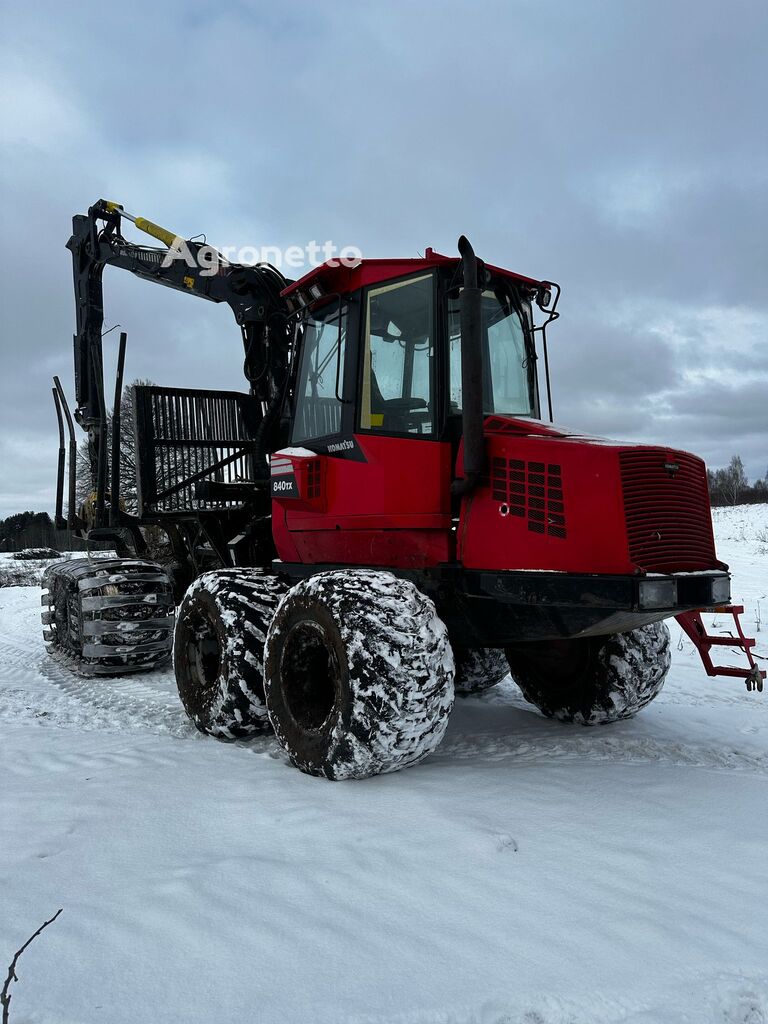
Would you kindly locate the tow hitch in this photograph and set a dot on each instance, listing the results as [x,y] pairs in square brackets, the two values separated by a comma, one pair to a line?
[694,627]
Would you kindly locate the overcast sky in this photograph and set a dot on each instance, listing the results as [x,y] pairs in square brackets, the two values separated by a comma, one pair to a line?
[618,148]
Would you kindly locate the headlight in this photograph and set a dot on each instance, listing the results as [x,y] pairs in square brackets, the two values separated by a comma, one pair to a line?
[721,590]
[658,593]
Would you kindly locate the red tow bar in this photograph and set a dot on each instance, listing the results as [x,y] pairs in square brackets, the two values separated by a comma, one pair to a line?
[694,627]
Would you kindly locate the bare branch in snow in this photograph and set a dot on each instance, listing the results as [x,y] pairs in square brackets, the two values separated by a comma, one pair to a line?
[5,995]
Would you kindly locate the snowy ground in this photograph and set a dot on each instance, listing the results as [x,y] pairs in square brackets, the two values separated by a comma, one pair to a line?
[530,872]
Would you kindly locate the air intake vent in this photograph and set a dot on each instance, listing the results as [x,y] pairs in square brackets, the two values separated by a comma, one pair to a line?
[314,488]
[532,491]
[666,504]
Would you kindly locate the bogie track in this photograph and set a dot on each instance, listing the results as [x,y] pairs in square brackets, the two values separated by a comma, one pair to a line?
[108,616]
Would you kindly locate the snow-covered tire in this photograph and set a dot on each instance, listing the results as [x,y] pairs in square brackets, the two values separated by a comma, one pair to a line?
[218,652]
[479,668]
[359,674]
[597,680]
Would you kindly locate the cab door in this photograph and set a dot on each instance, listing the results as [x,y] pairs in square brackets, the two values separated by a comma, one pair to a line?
[366,415]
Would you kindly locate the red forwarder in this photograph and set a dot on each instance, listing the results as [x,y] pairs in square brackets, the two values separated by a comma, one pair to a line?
[383,519]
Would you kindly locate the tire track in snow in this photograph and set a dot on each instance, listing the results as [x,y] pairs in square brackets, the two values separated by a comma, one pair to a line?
[66,700]
[139,752]
[493,747]
[41,760]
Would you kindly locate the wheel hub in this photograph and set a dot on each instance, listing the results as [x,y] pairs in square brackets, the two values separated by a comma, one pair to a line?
[310,674]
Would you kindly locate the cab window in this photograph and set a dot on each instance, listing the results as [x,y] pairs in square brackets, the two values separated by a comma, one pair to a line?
[319,382]
[398,358]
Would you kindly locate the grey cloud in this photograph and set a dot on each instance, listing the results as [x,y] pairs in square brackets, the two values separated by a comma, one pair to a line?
[616,148]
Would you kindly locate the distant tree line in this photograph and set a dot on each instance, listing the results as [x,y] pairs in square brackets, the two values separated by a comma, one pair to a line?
[730,486]
[35,530]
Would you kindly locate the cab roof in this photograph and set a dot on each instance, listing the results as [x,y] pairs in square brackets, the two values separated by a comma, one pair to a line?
[331,277]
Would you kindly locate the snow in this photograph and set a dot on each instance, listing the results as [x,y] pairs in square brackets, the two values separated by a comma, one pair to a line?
[529,872]
[295,453]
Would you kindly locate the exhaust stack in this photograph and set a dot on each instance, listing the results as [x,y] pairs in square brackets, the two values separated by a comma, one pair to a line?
[471,372]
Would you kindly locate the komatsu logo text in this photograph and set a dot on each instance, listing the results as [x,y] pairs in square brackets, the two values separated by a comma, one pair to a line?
[341,446]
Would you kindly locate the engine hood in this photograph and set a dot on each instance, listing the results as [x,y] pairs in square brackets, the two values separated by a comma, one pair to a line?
[560,500]
[525,426]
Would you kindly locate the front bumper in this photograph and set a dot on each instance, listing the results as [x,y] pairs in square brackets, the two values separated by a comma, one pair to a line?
[671,593]
[502,608]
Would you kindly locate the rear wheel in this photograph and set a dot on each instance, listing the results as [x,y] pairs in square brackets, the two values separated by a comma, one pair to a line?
[595,680]
[359,674]
[479,668]
[108,616]
[219,650]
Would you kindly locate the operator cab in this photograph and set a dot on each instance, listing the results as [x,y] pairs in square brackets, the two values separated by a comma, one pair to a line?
[379,429]
[379,349]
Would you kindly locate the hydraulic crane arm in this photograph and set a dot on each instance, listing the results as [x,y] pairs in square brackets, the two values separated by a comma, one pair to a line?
[252,292]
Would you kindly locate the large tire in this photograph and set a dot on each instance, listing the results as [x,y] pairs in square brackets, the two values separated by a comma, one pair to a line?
[359,674]
[597,680]
[479,668]
[219,650]
[108,616]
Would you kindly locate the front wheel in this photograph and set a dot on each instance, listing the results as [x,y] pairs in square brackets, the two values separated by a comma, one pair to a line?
[219,650]
[358,674]
[595,680]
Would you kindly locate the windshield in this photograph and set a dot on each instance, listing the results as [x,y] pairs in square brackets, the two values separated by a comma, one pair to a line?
[508,381]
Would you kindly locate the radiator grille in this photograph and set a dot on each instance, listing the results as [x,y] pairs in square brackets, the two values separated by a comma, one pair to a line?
[532,491]
[666,505]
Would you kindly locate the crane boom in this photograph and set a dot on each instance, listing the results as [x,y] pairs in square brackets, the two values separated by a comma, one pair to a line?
[193,267]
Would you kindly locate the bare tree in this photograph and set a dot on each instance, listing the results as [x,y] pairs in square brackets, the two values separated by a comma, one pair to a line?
[735,480]
[128,493]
